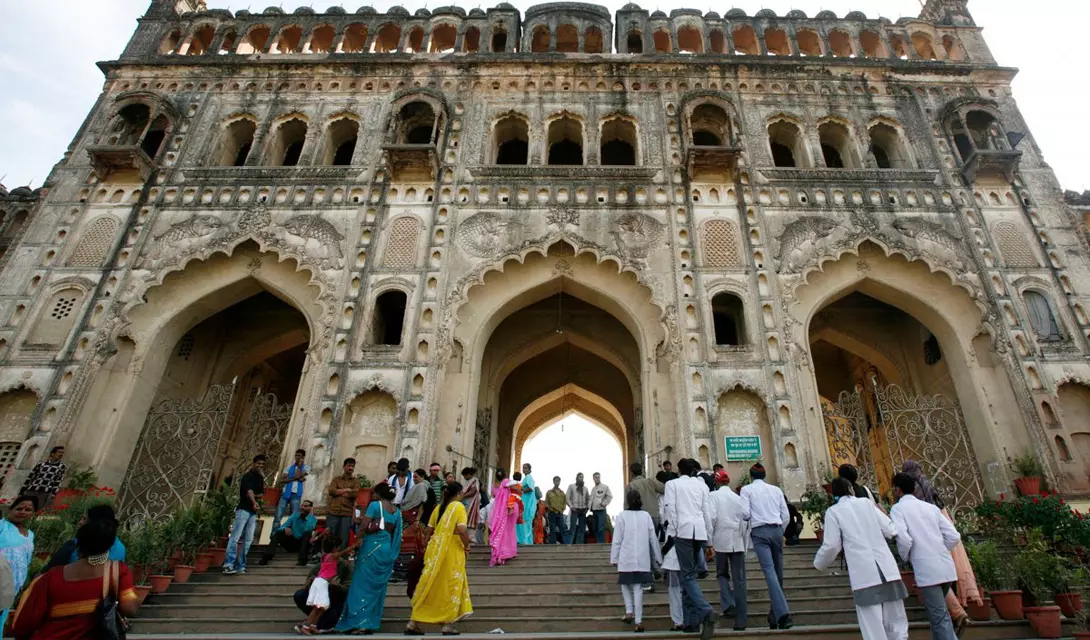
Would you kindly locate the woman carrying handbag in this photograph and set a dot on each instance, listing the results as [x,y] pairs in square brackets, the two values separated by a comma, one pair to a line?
[92,593]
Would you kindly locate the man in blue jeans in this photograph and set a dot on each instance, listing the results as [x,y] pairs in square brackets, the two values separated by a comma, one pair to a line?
[766,509]
[292,479]
[600,497]
[555,503]
[687,514]
[251,485]
[578,497]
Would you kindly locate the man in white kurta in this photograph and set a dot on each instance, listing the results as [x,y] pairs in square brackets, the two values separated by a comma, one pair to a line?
[856,526]
[927,546]
[730,529]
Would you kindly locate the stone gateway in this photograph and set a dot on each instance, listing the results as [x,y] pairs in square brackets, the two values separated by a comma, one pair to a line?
[429,235]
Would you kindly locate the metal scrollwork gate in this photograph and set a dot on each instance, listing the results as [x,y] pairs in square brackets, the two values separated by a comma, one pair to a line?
[265,433]
[846,426]
[176,453]
[931,431]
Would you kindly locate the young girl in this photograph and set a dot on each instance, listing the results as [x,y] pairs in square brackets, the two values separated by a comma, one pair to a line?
[635,551]
[672,569]
[318,596]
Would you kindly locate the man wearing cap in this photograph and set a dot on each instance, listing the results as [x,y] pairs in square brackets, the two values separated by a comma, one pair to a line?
[766,509]
[730,527]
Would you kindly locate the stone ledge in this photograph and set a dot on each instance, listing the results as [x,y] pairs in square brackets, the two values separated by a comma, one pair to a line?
[279,174]
[868,177]
[568,172]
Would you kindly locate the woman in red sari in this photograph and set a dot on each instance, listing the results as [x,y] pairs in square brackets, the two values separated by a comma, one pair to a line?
[61,603]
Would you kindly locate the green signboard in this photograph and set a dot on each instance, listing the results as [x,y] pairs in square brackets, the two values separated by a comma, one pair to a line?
[743,448]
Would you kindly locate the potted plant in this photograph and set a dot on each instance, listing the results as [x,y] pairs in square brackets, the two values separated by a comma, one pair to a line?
[140,549]
[815,502]
[157,555]
[1067,598]
[1029,471]
[363,498]
[827,478]
[79,480]
[178,534]
[1041,571]
[996,577]
[220,504]
[50,532]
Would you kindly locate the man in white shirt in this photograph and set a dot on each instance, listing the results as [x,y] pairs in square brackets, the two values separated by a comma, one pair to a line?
[766,507]
[927,546]
[856,526]
[730,528]
[600,497]
[401,481]
[687,512]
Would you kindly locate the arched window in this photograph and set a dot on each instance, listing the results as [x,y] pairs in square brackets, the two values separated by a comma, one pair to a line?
[565,142]
[254,41]
[153,139]
[442,39]
[634,43]
[170,42]
[718,41]
[355,38]
[238,138]
[872,45]
[416,40]
[592,40]
[922,42]
[728,318]
[471,40]
[540,40]
[417,124]
[710,126]
[745,41]
[618,143]
[840,43]
[389,318]
[287,144]
[227,45]
[787,144]
[980,131]
[499,40]
[131,121]
[1062,450]
[690,40]
[900,49]
[809,42]
[288,41]
[340,143]
[512,141]
[567,39]
[953,49]
[201,41]
[837,146]
[321,39]
[388,39]
[1040,316]
[57,318]
[662,41]
[776,42]
[888,147]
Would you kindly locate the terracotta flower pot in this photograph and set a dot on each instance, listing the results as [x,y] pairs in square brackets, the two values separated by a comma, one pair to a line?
[363,498]
[159,584]
[203,561]
[820,535]
[183,572]
[980,612]
[1008,604]
[1028,486]
[1045,621]
[142,591]
[139,572]
[1070,603]
[1082,635]
[223,541]
[271,497]
[219,554]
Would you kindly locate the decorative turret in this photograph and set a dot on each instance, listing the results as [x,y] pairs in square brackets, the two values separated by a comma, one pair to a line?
[170,8]
[952,12]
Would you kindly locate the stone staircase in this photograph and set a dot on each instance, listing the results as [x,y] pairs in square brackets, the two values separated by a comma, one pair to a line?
[547,592]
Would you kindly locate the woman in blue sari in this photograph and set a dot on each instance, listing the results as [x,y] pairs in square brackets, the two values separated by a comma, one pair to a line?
[17,542]
[374,565]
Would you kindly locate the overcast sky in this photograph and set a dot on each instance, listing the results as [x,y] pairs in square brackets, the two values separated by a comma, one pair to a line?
[49,81]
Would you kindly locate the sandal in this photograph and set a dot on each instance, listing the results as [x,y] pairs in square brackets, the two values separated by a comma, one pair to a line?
[628,618]
[414,631]
[450,631]
[638,629]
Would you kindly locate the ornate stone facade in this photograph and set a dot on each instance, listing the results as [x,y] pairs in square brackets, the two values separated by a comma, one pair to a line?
[433,233]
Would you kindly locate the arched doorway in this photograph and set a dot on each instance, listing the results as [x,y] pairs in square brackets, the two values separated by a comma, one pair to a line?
[571,444]
[204,377]
[904,370]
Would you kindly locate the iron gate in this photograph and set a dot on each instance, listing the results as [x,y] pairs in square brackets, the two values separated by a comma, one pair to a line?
[265,433]
[176,453]
[847,429]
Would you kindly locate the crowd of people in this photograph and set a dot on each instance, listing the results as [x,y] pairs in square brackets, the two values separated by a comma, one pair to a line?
[677,527]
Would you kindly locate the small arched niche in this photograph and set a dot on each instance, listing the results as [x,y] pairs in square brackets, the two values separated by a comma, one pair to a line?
[619,144]
[565,141]
[388,319]
[728,319]
[511,140]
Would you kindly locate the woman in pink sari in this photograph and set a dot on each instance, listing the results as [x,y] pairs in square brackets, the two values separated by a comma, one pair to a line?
[503,518]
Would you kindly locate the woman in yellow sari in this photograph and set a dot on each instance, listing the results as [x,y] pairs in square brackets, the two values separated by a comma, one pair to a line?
[442,596]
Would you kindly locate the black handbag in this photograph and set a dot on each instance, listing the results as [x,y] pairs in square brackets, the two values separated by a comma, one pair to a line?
[108,622]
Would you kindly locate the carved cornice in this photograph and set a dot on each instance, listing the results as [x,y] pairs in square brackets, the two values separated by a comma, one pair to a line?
[854,176]
[530,172]
[274,174]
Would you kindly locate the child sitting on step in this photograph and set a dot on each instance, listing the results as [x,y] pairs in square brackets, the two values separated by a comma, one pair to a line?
[318,596]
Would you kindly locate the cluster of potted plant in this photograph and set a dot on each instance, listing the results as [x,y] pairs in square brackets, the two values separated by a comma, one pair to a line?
[1029,474]
[815,502]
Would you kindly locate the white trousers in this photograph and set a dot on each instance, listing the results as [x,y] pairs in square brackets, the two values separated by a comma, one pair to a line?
[677,607]
[633,600]
[886,621]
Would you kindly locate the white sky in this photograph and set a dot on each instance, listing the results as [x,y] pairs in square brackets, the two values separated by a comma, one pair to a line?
[576,445]
[49,82]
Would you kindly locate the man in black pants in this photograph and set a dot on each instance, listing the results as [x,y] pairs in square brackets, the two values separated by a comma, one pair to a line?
[294,535]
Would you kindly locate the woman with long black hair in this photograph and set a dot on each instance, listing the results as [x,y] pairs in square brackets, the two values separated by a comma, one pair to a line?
[442,597]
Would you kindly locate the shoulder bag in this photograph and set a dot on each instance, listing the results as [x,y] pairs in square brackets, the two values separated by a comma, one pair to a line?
[108,624]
